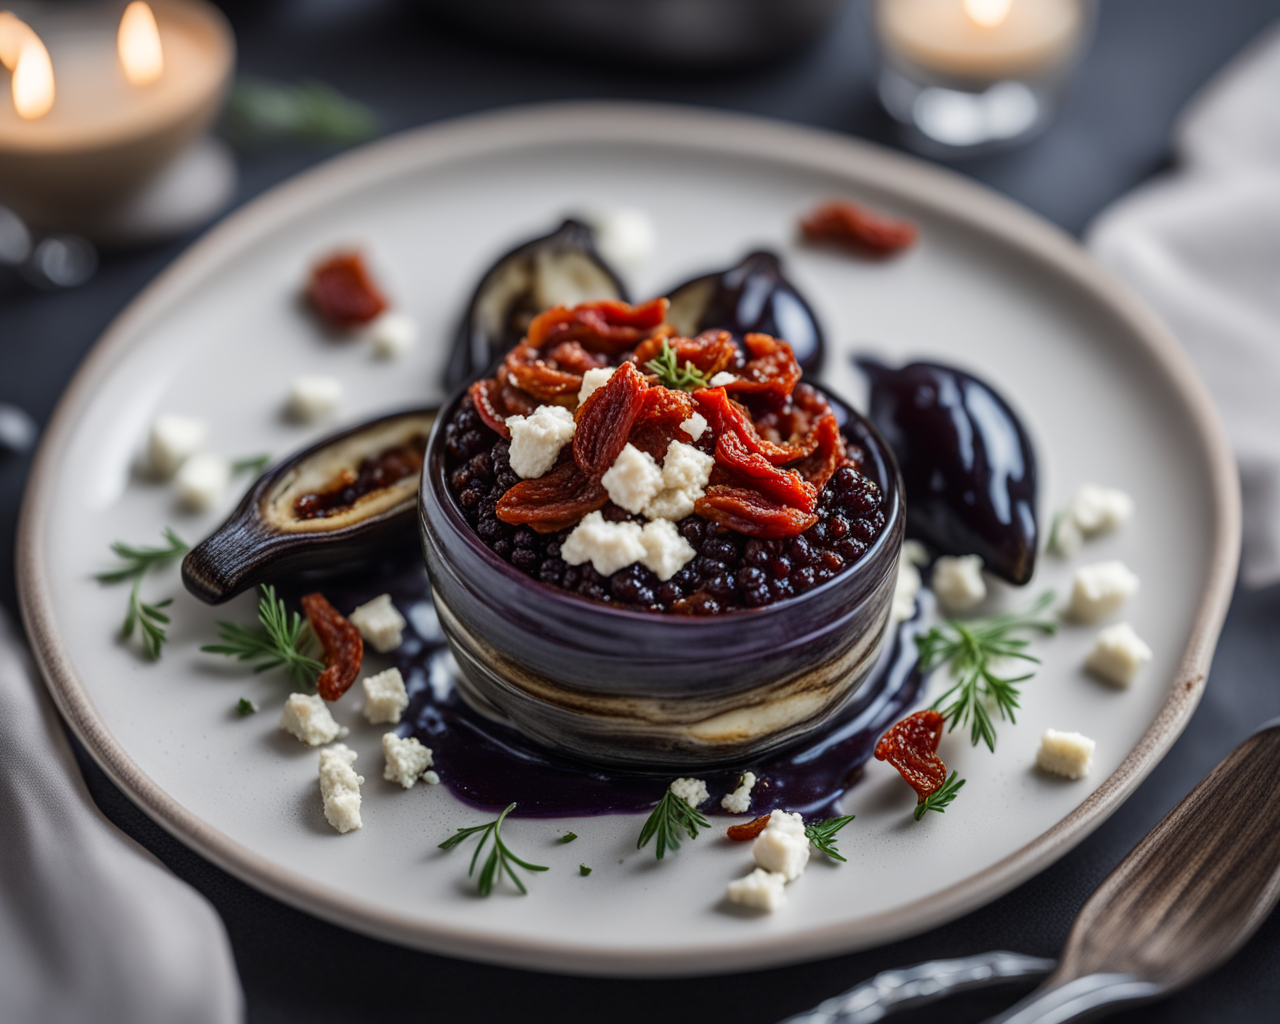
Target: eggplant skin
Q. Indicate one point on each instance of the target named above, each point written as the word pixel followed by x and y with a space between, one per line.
pixel 967 463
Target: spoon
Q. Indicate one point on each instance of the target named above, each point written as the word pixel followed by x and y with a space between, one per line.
pixel 1185 899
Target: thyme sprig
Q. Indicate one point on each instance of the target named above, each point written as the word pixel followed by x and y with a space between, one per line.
pixel 254 464
pixel 940 799
pixel 970 647
pixel 671 375
pixel 279 641
pixel 673 815
pixel 500 857
pixel 148 619
pixel 823 835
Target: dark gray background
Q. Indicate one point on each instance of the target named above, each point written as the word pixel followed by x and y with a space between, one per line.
pixel 1148 58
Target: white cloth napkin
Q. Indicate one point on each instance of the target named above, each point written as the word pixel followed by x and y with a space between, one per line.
pixel 93 929
pixel 1202 246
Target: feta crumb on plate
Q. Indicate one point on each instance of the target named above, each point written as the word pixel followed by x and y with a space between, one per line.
pixel 691 791
pixel 783 846
pixel 536 439
pixel 1065 538
pixel 593 380
pixel 407 759
pixel 308 718
pixel 385 697
pixel 393 334
pixel 172 441
pixel 1097 509
pixel 625 235
pixel 633 480
pixel 431 778
pixel 202 480
pixel 1065 753
pixel 1117 655
pixel 739 800
pixel 908 584
pixel 379 623
pixel 958 582
pixel 313 398
pixel 340 787
pixel 760 890
pixel 1099 589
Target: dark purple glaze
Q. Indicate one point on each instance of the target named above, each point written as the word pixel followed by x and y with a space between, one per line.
pixel 967 463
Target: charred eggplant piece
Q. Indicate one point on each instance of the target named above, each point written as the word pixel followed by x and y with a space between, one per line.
pixel 968 466
pixel 752 296
pixel 333 506
pixel 560 269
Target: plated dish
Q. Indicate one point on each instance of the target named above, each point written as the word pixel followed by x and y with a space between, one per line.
pixel 993 278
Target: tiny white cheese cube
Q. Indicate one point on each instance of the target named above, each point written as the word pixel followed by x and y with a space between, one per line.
pixel 173 440
pixel 760 890
pixel 1100 509
pixel 379 623
pixel 1065 753
pixel 665 551
pixel 340 787
pixel 739 800
pixel 1066 538
pixel 593 380
pixel 691 791
pixel 313 398
pixel 1117 655
pixel 633 480
pixel 536 439
pixel 607 546
pixel 431 778
pixel 958 582
pixel 1100 589
pixel 202 480
pixel 625 235
pixel 685 474
pixel 393 334
pixel 385 697
pixel 308 718
pixel 695 426
pixel 782 846
pixel 407 759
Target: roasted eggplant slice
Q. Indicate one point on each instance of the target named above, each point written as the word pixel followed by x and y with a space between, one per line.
pixel 752 296
pixel 332 506
pixel 561 269
pixel 968 465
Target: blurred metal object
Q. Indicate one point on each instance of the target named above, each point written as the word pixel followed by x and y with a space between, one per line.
pixel 61 261
pixel 18 430
pixel 15 239
pixel 675 32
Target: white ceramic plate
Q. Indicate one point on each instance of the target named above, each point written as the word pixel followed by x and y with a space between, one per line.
pixel 221 334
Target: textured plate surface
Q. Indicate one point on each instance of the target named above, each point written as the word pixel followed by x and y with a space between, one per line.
pixel 1105 392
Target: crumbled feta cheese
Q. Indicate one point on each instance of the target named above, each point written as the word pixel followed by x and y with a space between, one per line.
pixel 739 800
pixel 1117 654
pixel 593 380
pixel 665 551
pixel 908 583
pixel 340 787
pixel 633 480
pixel 691 791
pixel 393 334
pixel 782 846
pixel 1100 509
pixel 385 697
pixel 173 440
pixel 760 890
pixel 914 553
pixel 695 426
pixel 536 439
pixel 379 623
pixel 1065 753
pixel 308 718
pixel 202 480
pixel 1066 538
pixel 1100 589
pixel 958 582
pixel 685 474
pixel 407 759
pixel 431 778
pixel 314 398
pixel 607 546
pixel 722 378
pixel 624 235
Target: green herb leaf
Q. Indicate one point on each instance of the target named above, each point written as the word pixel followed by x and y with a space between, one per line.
pixel 823 835
pixel 940 799
pixel 568 837
pixel 260 112
pixel 246 707
pixel 672 816
pixel 148 619
pixel 500 857
pixel 690 378
pixel 583 870
pixel 138 560
pixel 254 464
pixel 279 641
pixel 970 648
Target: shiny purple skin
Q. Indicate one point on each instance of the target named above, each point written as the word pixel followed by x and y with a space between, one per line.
pixel 967 464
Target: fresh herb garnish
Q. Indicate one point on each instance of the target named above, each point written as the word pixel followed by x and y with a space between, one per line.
pixel 254 464
pixel 246 707
pixel 970 647
pixel 568 837
pixel 823 835
pixel 940 798
pixel 280 641
pixel 671 375
pixel 260 112
pixel 583 870
pixel 672 816
pixel 148 618
pixel 500 858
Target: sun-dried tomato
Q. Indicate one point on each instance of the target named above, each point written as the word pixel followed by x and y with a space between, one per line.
pixel 343 292
pixel 542 377
pixel 343 648
pixel 751 513
pixel 827 456
pixel 554 501
pixel 748 830
pixel 571 357
pixel 772 369
pixel 857 228
pixel 710 352
pixel 727 417
pixel 791 425
pixel 659 421
pixel 911 747
pixel 755 471
pixel 605 420
pixel 606 326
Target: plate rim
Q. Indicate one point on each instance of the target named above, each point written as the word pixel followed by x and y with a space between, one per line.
pixel 948 195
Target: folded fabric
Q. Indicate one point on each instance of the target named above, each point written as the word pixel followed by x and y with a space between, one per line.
pixel 1202 246
pixel 92 927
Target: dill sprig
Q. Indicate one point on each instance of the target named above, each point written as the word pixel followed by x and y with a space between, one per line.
pixel 500 857
pixel 148 619
pixel 671 375
pixel 970 647
pixel 673 815
pixel 254 464
pixel 823 835
pixel 279 641
pixel 940 799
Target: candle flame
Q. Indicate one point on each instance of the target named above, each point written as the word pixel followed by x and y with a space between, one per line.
pixel 139 44
pixel 33 80
pixel 987 13
pixel 13 33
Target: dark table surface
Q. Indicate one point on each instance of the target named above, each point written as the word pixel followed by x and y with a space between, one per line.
pixel 1148 58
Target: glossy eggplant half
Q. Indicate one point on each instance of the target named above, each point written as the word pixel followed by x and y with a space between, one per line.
pixel 967 462
pixel 751 296
pixel 331 507
pixel 560 269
